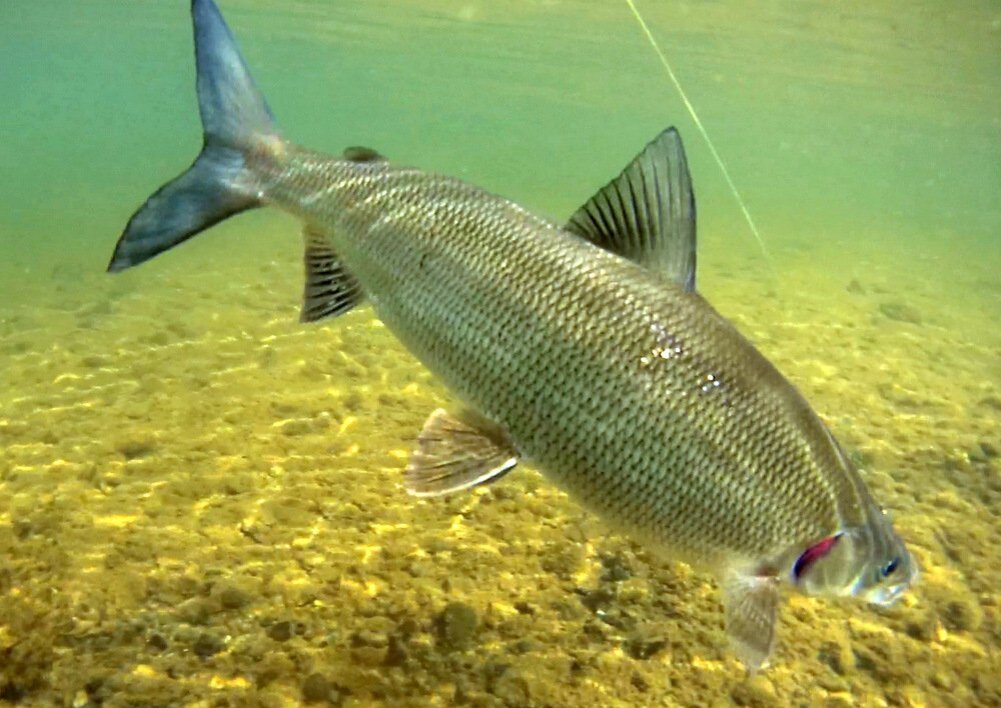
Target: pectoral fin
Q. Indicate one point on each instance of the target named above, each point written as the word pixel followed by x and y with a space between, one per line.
pixel 456 453
pixel 331 289
pixel 751 604
pixel 647 213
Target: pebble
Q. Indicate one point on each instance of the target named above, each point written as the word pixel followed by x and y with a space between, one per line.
pixel 455 627
pixel 208 645
pixel 136 448
pixel 839 700
pixel 232 598
pixel 643 648
pixel 280 631
pixel 615 568
pixel 396 652
pixel 316 688
pixel 900 312
pixel 512 689
pixel 563 560
pixel 962 615
pixel 756 691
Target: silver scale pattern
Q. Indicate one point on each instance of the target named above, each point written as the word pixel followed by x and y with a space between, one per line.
pixel 636 397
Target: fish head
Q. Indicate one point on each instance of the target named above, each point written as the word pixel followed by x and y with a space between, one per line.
pixel 870 562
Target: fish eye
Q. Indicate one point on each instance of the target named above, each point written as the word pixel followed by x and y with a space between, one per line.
pixel 888 569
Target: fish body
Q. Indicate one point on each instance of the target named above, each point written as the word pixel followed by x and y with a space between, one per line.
pixel 627 390
pixel 583 347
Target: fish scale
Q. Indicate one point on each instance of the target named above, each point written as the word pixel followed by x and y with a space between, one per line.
pixel 582 347
pixel 550 358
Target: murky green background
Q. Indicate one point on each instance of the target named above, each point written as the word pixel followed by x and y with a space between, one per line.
pixel 199 497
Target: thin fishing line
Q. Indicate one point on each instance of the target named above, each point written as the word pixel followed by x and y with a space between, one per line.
pixel 698 124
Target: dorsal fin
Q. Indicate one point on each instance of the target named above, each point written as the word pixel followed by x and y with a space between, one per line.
pixel 647 213
pixel 357 153
pixel 330 288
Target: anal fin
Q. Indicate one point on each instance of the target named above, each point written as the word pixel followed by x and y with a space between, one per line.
pixel 751 604
pixel 331 289
pixel 454 453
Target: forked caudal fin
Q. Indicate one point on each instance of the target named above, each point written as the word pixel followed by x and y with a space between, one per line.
pixel 235 120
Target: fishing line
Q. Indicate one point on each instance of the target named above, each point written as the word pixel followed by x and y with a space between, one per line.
pixel 698 124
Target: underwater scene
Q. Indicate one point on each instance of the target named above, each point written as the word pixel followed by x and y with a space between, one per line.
pixel 203 499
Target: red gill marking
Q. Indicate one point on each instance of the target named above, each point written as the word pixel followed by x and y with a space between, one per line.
pixel 813 553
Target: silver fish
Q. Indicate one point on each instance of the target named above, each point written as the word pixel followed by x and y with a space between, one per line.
pixel 583 347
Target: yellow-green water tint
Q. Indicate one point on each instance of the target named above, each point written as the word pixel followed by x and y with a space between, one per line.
pixel 200 499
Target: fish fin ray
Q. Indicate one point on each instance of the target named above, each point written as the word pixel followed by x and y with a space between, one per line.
pixel 458 452
pixel 647 213
pixel 330 289
pixel 236 120
pixel 751 606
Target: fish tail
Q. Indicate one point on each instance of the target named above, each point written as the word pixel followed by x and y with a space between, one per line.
pixel 236 123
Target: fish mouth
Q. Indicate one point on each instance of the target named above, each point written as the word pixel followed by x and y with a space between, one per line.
pixel 885 597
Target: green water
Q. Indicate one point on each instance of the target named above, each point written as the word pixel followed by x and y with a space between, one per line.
pixel 200 498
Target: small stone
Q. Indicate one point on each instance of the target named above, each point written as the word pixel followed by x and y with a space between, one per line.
pixel 512 689
pixel 232 598
pixel 396 652
pixel 94 685
pixel 642 645
pixel 407 628
pixel 280 631
pixel 639 683
pixel 832 682
pixel 841 699
pixel 755 691
pixel 208 645
pixel 598 599
pixel 900 312
pixel 837 655
pixel 369 656
pixel 194 611
pixel 962 615
pixel 369 638
pixel 316 688
pixel 563 560
pixel 615 568
pixel 922 628
pixel 437 545
pixel 991 402
pixel 942 680
pixel 136 448
pixel 272 667
pixel 295 427
pixel 420 568
pixel 523 646
pixel 95 361
pixel 456 626
pixel 977 455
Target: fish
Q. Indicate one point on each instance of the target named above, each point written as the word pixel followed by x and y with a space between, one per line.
pixel 581 347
